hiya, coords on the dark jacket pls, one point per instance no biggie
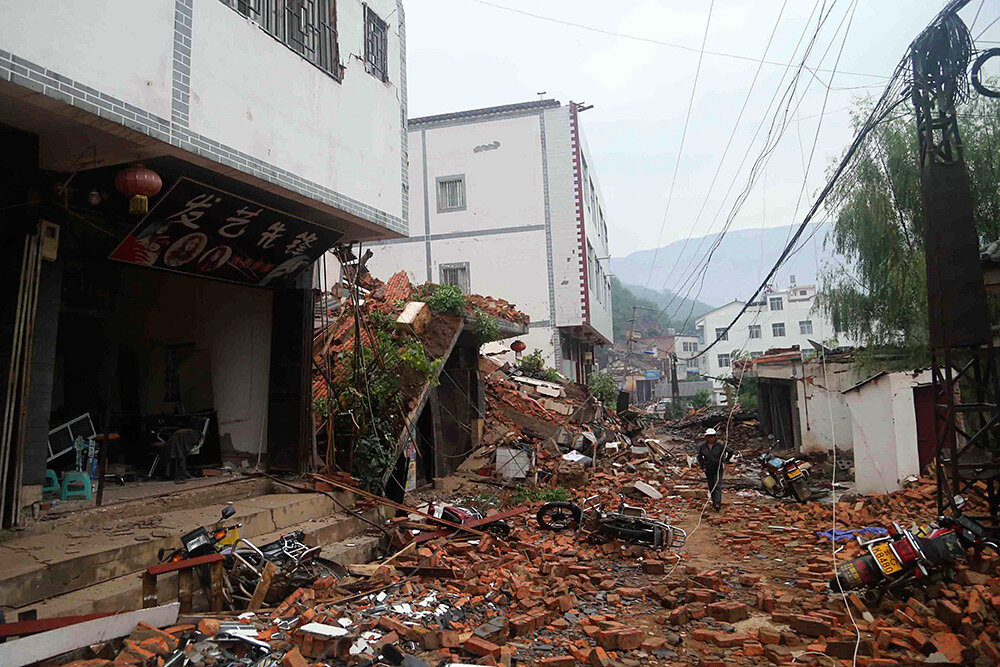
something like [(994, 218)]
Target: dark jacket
[(713, 455)]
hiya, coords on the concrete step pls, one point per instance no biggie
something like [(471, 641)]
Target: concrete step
[(336, 533), (68, 559)]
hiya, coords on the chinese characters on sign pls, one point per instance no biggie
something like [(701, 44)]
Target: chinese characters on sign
[(199, 230)]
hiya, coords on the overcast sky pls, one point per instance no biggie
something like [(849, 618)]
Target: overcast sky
[(464, 54)]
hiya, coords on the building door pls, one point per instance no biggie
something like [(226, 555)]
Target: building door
[(778, 411), (923, 405)]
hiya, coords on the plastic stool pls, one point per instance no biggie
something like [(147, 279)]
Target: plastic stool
[(51, 482), (78, 477)]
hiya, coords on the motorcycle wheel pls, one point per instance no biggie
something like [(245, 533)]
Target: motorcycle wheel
[(628, 531), (500, 529), (801, 491), (558, 516)]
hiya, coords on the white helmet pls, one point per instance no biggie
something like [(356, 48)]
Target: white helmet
[(710, 431)]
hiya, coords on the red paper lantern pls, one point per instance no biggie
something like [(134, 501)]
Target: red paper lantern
[(518, 346), (139, 183)]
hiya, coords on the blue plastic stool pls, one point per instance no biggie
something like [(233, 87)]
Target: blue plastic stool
[(51, 482), (78, 477)]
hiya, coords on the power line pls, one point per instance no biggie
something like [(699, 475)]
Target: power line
[(770, 144), (725, 152), (878, 113), (680, 150), (649, 40)]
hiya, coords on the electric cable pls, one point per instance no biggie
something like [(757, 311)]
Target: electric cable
[(770, 143), (648, 40), (680, 149)]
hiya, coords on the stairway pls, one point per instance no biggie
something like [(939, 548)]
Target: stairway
[(92, 564)]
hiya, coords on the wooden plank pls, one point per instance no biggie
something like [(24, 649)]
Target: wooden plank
[(163, 568), (185, 594), (257, 601), (428, 571), (475, 523), (148, 590), (45, 645), (34, 626), (398, 506), (215, 596)]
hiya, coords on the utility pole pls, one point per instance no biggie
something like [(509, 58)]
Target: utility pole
[(964, 368), (628, 353)]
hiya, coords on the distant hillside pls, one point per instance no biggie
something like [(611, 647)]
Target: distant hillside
[(739, 264), (649, 317)]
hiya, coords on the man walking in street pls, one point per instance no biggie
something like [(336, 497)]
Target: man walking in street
[(712, 457)]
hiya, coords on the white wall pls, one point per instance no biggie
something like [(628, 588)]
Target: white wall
[(228, 366), (566, 259), (885, 431), (121, 47), (252, 93), (796, 308), (824, 415), (248, 92)]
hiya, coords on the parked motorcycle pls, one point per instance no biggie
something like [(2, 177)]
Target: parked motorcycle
[(629, 523), (785, 477), (902, 558)]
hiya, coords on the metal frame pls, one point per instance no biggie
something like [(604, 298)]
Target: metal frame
[(308, 27), (437, 193), (72, 436), (466, 287), (967, 406)]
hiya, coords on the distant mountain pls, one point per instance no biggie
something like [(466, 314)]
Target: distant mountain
[(738, 265), (651, 318)]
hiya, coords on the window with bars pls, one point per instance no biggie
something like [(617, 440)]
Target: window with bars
[(376, 45), (778, 329), (754, 331), (451, 193), (308, 27), (456, 274), (806, 327)]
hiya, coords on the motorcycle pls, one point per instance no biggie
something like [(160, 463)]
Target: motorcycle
[(296, 563), (785, 477), (629, 523), (901, 558)]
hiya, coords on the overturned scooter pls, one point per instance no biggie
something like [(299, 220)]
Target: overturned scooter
[(629, 523)]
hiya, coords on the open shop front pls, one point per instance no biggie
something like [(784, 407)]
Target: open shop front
[(193, 318)]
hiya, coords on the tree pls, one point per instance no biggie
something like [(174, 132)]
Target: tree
[(880, 296)]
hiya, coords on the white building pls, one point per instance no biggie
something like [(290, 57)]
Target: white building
[(276, 127), (505, 201), (779, 319)]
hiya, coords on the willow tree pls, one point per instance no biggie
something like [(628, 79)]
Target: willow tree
[(878, 295)]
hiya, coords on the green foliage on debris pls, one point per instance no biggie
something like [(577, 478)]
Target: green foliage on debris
[(322, 408), (534, 494), (701, 399), (374, 395), (486, 330), (878, 296), (533, 365), (447, 299), (604, 387)]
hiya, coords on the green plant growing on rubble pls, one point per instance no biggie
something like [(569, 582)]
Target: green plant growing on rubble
[(527, 494), (487, 330), (447, 299), (602, 385), (532, 363)]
